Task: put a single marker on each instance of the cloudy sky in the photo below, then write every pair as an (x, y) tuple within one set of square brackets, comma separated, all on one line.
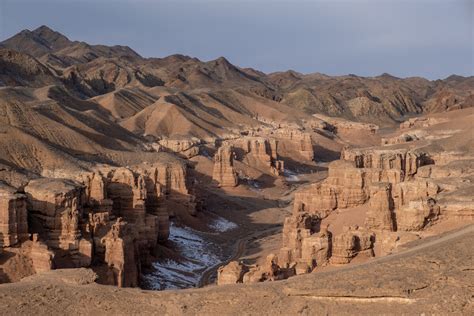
[(430, 38)]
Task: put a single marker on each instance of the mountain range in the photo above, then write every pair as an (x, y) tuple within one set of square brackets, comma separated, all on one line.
[(56, 93)]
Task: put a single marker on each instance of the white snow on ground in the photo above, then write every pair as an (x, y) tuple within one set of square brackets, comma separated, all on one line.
[(222, 225), (199, 256), (291, 176), (254, 186)]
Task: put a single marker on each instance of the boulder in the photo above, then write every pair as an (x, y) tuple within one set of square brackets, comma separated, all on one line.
[(231, 273), (352, 242)]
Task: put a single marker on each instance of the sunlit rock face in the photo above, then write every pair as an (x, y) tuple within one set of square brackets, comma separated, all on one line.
[(260, 153), (13, 217), (55, 207), (111, 218), (380, 180), (352, 242), (224, 173)]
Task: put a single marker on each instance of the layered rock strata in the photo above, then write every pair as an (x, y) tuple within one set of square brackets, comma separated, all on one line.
[(110, 219), (13, 217), (293, 141), (235, 272), (260, 153), (383, 182), (351, 243), (186, 148), (224, 173)]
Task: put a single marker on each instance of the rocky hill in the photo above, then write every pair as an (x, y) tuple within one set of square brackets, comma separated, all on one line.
[(169, 173)]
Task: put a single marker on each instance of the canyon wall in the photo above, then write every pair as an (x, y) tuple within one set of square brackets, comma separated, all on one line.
[(110, 219), (224, 173), (394, 195)]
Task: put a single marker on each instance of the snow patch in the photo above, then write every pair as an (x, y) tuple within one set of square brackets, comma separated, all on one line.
[(222, 225), (197, 253), (291, 176)]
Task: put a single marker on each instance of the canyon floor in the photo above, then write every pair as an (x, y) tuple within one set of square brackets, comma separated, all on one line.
[(431, 277), (133, 185)]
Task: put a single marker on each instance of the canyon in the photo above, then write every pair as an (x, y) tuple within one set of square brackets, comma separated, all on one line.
[(122, 175)]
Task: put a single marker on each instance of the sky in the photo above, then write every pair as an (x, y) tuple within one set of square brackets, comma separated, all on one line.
[(428, 38)]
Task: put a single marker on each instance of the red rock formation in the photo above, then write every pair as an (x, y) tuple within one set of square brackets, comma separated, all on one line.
[(417, 214), (380, 210), (75, 225), (56, 209), (231, 273), (121, 255), (403, 160), (41, 257), (383, 178), (352, 242), (414, 190), (13, 217), (270, 271), (315, 250), (293, 141), (295, 229), (224, 172), (186, 148), (260, 153)]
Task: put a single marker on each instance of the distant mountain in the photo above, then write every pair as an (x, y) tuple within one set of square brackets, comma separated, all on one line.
[(53, 47), (120, 79)]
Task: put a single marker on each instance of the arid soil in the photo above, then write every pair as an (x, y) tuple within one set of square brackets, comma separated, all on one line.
[(434, 277), (122, 175)]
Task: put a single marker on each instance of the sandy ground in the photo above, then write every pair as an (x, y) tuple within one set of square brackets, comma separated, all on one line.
[(433, 277)]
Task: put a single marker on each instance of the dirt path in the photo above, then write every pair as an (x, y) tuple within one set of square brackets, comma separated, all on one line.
[(240, 246), (239, 249)]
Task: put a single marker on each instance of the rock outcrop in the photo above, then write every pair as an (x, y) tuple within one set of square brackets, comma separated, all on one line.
[(231, 273), (403, 160), (186, 148), (121, 255), (384, 182), (41, 257), (110, 219), (55, 208), (316, 249), (351, 243), (417, 214), (224, 173), (260, 153), (336, 124), (421, 122), (380, 209), (292, 141), (235, 272), (13, 217), (400, 139)]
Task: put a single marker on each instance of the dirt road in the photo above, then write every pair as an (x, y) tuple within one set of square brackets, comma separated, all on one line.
[(239, 249)]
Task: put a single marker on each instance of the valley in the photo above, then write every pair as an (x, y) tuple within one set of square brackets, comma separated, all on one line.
[(199, 187)]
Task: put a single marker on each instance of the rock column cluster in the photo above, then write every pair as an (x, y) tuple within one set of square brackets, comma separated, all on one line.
[(384, 182), (110, 219), (224, 173)]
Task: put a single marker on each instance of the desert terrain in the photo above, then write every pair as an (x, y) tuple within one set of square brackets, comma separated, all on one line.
[(133, 185)]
